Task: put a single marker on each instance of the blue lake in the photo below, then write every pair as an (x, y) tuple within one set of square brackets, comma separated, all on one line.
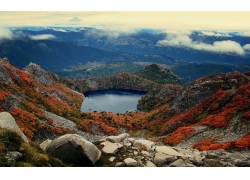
[(111, 100)]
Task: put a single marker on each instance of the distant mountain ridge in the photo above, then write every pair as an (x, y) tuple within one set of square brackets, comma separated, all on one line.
[(159, 74)]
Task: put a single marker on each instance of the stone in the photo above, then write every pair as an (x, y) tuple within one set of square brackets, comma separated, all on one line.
[(145, 153), (168, 150), (131, 140), (120, 164), (181, 163), (111, 159), (150, 164), (119, 138), (73, 148), (161, 159), (7, 121), (110, 148), (143, 144), (13, 156), (197, 160), (44, 144), (103, 144), (130, 162)]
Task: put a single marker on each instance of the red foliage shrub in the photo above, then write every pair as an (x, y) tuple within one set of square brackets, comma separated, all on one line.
[(205, 145), (180, 134), (243, 142)]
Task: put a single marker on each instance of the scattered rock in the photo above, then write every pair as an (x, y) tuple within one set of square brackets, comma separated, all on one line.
[(120, 164), (162, 159), (110, 148), (181, 163), (168, 150), (45, 143), (150, 164), (13, 156), (144, 144), (130, 162), (119, 138), (111, 159)]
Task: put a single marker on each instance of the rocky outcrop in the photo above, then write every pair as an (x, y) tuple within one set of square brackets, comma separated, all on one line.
[(7, 121), (4, 75), (73, 148), (40, 75)]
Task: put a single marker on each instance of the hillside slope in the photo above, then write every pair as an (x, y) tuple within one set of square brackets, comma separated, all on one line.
[(209, 113)]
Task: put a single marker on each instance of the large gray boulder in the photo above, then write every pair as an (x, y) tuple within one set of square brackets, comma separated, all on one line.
[(7, 121), (73, 148)]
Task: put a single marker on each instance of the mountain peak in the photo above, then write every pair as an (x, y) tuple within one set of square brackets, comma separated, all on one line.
[(159, 74)]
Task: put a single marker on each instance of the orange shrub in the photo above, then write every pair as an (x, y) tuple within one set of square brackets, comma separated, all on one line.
[(243, 142), (179, 135)]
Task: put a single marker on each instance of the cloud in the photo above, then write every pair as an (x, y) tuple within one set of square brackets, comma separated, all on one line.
[(244, 33), (111, 33), (217, 34), (5, 33), (183, 40), (42, 37), (246, 47), (60, 30)]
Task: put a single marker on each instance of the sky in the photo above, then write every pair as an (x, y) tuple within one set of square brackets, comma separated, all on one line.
[(226, 21), (127, 15)]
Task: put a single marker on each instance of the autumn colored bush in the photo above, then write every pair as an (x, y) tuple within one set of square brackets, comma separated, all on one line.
[(179, 135), (207, 144), (243, 142)]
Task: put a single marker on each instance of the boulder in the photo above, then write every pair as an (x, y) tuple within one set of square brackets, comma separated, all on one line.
[(130, 162), (144, 144), (111, 159), (44, 144), (168, 150), (150, 164), (119, 138), (7, 121), (161, 159), (110, 148), (13, 156), (181, 163), (120, 164), (73, 148)]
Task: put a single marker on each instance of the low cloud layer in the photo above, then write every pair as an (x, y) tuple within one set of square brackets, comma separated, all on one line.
[(42, 37), (111, 33), (246, 47), (216, 34), (183, 40), (5, 33)]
